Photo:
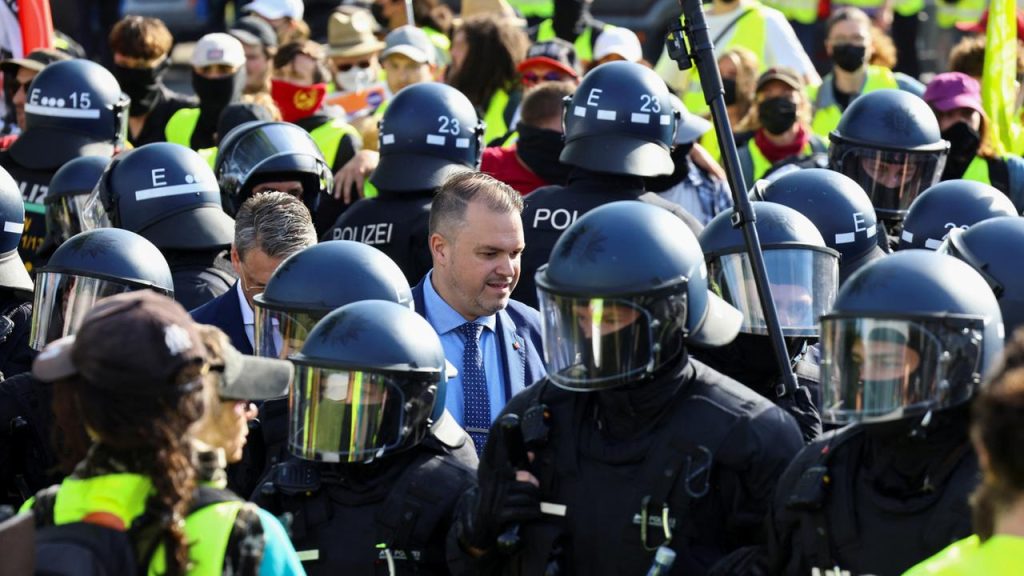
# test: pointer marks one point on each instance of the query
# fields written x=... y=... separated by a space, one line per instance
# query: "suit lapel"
x=512 y=350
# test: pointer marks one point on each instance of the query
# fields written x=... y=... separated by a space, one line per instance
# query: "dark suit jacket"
x=225 y=312
x=518 y=332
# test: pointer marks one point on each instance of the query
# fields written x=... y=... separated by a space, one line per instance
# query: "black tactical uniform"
x=619 y=128
x=429 y=132
x=658 y=438
x=380 y=502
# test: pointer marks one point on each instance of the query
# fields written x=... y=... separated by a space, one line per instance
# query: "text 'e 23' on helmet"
x=948 y=205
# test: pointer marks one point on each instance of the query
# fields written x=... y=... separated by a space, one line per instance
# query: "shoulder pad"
x=447 y=431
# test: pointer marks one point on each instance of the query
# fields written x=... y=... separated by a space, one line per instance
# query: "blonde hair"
x=747 y=66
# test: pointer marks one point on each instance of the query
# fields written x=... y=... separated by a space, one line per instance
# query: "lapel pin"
x=515 y=345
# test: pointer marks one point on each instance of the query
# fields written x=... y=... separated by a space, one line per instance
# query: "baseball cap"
x=409 y=41
x=35 y=60
x=274 y=9
x=951 y=90
x=350 y=33
x=980 y=26
x=618 y=40
x=556 y=53
x=218 y=48
x=245 y=377
x=691 y=126
x=782 y=74
x=132 y=343
x=253 y=30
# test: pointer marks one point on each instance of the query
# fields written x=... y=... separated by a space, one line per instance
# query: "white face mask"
x=355 y=79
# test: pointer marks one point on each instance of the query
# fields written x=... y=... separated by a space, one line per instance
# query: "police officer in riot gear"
x=15 y=284
x=627 y=466
x=167 y=193
x=804 y=278
x=65 y=201
x=889 y=142
x=89 y=266
x=995 y=248
x=75 y=108
x=619 y=129
x=947 y=205
x=429 y=132
x=903 y=352
x=372 y=491
x=260 y=156
x=839 y=209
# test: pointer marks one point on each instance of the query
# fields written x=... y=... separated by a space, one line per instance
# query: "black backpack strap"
x=42 y=506
x=999 y=175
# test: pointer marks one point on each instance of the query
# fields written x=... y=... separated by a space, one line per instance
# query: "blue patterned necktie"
x=476 y=401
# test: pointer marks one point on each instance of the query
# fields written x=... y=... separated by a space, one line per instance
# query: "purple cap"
x=951 y=90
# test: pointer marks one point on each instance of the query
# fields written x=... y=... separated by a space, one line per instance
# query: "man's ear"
x=440 y=249
x=236 y=260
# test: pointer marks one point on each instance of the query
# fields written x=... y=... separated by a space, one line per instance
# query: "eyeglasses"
x=347 y=67
x=533 y=77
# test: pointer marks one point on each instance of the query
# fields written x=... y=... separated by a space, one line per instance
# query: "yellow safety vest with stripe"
x=755 y=165
x=802 y=11
x=947 y=14
x=826 y=109
x=584 y=43
x=442 y=45
x=534 y=8
x=977 y=171
x=749 y=32
x=124 y=495
x=494 y=117
x=328 y=138
x=181 y=125
x=909 y=7
x=1000 y=555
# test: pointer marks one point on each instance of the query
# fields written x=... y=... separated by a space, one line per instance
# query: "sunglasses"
x=347 y=67
x=533 y=77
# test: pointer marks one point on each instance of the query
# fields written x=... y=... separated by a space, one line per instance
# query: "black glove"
x=798 y=404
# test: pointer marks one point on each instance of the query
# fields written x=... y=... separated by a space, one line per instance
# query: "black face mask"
x=378 y=14
x=729 y=88
x=142 y=85
x=682 y=170
x=216 y=93
x=964 y=142
x=539 y=149
x=777 y=114
x=849 y=57
x=569 y=19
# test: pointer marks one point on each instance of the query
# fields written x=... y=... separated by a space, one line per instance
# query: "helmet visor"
x=804 y=283
x=65 y=216
x=354 y=416
x=280 y=334
x=92 y=214
x=597 y=343
x=877 y=369
x=62 y=301
x=892 y=179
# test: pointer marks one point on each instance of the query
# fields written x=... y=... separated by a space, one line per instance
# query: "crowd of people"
x=398 y=289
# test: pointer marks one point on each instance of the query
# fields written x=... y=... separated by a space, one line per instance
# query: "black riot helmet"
x=316 y=280
x=948 y=205
x=624 y=290
x=365 y=385
x=74 y=108
x=889 y=142
x=909 y=334
x=165 y=192
x=802 y=271
x=259 y=152
x=839 y=209
x=89 y=266
x=13 y=274
x=995 y=248
x=620 y=120
x=67 y=197
x=429 y=132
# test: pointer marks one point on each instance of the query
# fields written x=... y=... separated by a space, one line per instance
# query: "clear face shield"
x=65 y=216
x=279 y=334
x=93 y=214
x=601 y=343
x=62 y=301
x=804 y=283
x=892 y=179
x=351 y=416
x=881 y=369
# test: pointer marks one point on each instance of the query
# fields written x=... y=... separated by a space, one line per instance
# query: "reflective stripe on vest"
x=534 y=8
x=584 y=45
x=181 y=125
x=495 y=116
x=328 y=138
x=826 y=110
x=802 y=11
x=125 y=495
x=750 y=33
x=977 y=171
x=947 y=14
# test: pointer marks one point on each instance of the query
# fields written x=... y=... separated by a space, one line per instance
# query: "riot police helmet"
x=89 y=266
x=68 y=195
x=164 y=192
x=624 y=291
x=909 y=334
x=256 y=153
x=13 y=274
x=802 y=271
x=889 y=142
x=839 y=209
x=948 y=205
x=429 y=132
x=620 y=120
x=365 y=385
x=74 y=108
x=995 y=248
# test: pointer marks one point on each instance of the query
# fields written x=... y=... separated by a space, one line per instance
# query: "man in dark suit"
x=269 y=227
x=476 y=239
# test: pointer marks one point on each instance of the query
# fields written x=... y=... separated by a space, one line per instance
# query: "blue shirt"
x=446 y=322
x=279 y=557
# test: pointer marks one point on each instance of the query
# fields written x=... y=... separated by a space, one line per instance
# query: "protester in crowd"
x=284 y=15
x=353 y=51
x=739 y=69
x=260 y=45
x=18 y=74
x=617 y=43
x=218 y=78
x=432 y=16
